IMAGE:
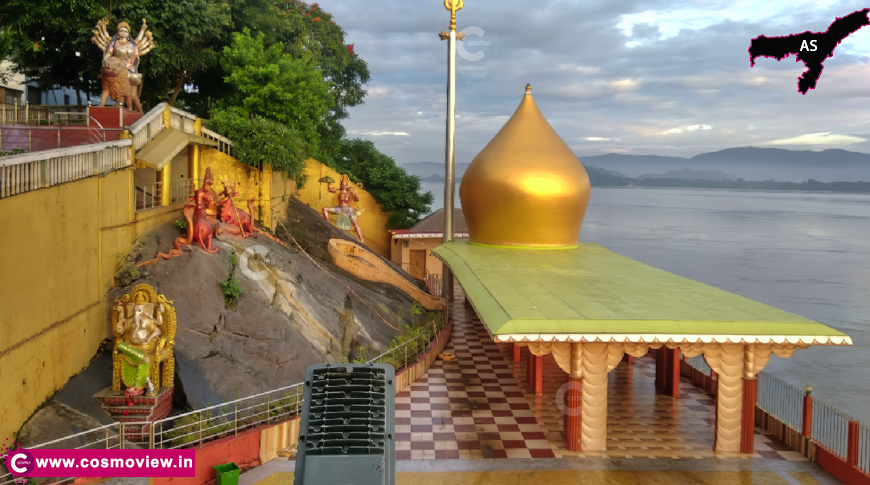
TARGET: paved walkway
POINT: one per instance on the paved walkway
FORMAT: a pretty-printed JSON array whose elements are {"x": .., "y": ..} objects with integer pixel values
[
  {"x": 479, "y": 406},
  {"x": 458, "y": 423}
]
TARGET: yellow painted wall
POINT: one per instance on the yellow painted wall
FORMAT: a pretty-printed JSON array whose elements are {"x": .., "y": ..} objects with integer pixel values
[
  {"x": 248, "y": 179},
  {"x": 282, "y": 189},
  {"x": 401, "y": 254},
  {"x": 372, "y": 221},
  {"x": 56, "y": 267},
  {"x": 61, "y": 251}
]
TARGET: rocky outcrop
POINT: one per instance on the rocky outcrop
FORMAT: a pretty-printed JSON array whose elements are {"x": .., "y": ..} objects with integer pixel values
[{"x": 293, "y": 311}]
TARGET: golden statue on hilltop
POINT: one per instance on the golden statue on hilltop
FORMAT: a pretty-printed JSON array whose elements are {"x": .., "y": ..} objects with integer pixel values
[
  {"x": 120, "y": 72},
  {"x": 144, "y": 326}
]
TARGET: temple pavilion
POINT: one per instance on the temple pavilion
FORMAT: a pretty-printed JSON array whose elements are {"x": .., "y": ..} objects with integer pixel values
[{"x": 532, "y": 284}]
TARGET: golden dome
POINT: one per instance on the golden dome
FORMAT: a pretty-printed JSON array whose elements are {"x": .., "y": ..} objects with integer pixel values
[{"x": 526, "y": 188}]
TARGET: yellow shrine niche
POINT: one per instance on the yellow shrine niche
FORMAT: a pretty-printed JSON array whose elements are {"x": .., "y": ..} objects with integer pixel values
[{"x": 144, "y": 325}]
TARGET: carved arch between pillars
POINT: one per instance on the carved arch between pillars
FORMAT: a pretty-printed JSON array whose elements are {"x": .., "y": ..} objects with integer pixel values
[{"x": 593, "y": 361}]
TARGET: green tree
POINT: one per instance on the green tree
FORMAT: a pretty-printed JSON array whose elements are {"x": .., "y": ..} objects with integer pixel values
[
  {"x": 269, "y": 83},
  {"x": 51, "y": 42},
  {"x": 304, "y": 31},
  {"x": 389, "y": 184},
  {"x": 256, "y": 139}
]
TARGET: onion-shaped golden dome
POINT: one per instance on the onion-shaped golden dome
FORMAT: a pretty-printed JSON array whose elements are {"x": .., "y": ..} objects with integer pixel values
[{"x": 526, "y": 188}]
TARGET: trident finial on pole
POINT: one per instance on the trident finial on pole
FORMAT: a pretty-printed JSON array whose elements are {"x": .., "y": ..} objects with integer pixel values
[{"x": 453, "y": 6}]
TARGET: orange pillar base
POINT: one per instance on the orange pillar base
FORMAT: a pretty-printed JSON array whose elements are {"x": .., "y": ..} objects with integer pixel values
[
  {"x": 573, "y": 417},
  {"x": 750, "y": 397}
]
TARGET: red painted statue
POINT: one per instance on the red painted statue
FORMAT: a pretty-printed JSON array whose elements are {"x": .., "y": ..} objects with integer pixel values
[
  {"x": 232, "y": 215},
  {"x": 201, "y": 229},
  {"x": 208, "y": 217}
]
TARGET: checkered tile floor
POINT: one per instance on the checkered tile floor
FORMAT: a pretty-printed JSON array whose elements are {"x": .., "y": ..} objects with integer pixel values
[{"x": 478, "y": 406}]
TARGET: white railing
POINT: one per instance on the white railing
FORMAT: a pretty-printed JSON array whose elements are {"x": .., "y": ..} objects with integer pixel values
[
  {"x": 700, "y": 363},
  {"x": 830, "y": 428},
  {"x": 30, "y": 171},
  {"x": 149, "y": 196},
  {"x": 147, "y": 127},
  {"x": 182, "y": 190},
  {"x": 864, "y": 448},
  {"x": 433, "y": 281},
  {"x": 181, "y": 120},
  {"x": 781, "y": 400},
  {"x": 108, "y": 437},
  {"x": 225, "y": 419},
  {"x": 224, "y": 143}
]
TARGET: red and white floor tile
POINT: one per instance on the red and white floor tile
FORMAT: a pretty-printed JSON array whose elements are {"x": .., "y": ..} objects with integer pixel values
[{"x": 478, "y": 406}]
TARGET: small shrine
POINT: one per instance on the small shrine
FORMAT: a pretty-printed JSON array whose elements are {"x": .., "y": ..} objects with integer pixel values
[
  {"x": 143, "y": 362},
  {"x": 533, "y": 284}
]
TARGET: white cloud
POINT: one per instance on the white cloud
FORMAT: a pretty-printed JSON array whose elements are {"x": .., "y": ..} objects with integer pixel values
[
  {"x": 596, "y": 138},
  {"x": 826, "y": 138},
  {"x": 681, "y": 129},
  {"x": 382, "y": 133}
]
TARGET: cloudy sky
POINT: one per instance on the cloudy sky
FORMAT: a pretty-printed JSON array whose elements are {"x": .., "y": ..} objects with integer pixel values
[{"x": 628, "y": 76}]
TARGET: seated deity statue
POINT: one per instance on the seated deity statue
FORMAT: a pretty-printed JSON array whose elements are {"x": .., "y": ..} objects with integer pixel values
[{"x": 144, "y": 327}]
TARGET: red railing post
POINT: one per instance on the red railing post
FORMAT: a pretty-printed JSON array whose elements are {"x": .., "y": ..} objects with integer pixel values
[
  {"x": 852, "y": 445},
  {"x": 807, "y": 417}
]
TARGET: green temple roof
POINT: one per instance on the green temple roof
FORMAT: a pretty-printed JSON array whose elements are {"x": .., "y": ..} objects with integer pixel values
[{"x": 592, "y": 294}]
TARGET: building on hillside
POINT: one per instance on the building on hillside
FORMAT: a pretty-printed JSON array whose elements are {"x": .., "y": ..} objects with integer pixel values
[
  {"x": 411, "y": 249},
  {"x": 11, "y": 91}
]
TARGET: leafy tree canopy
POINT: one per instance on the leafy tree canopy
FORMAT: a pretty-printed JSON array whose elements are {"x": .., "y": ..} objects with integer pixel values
[
  {"x": 272, "y": 84},
  {"x": 52, "y": 40},
  {"x": 304, "y": 31},
  {"x": 256, "y": 139}
]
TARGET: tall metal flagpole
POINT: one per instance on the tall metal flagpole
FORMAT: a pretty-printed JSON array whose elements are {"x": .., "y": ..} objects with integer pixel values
[{"x": 449, "y": 171}]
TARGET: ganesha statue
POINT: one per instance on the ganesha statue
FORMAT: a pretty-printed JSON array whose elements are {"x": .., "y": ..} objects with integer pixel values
[{"x": 144, "y": 326}]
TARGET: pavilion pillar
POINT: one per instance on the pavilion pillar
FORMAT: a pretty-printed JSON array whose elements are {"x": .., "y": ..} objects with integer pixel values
[
  {"x": 517, "y": 352},
  {"x": 660, "y": 367},
  {"x": 530, "y": 371},
  {"x": 673, "y": 371},
  {"x": 573, "y": 418},
  {"x": 750, "y": 398},
  {"x": 729, "y": 405},
  {"x": 539, "y": 375},
  {"x": 593, "y": 410}
]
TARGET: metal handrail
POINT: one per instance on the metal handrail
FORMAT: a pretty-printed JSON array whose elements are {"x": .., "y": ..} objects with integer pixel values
[
  {"x": 830, "y": 428},
  {"x": 699, "y": 363},
  {"x": 864, "y": 448},
  {"x": 781, "y": 400}
]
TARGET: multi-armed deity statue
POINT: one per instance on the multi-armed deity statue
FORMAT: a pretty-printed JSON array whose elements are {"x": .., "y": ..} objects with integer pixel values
[
  {"x": 144, "y": 326},
  {"x": 120, "y": 71},
  {"x": 347, "y": 216}
]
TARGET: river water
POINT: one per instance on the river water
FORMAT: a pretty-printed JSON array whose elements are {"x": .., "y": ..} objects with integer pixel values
[{"x": 805, "y": 253}]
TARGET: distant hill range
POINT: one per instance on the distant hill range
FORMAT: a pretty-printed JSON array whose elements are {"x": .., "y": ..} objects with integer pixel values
[
  {"x": 748, "y": 163},
  {"x": 686, "y": 174}
]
